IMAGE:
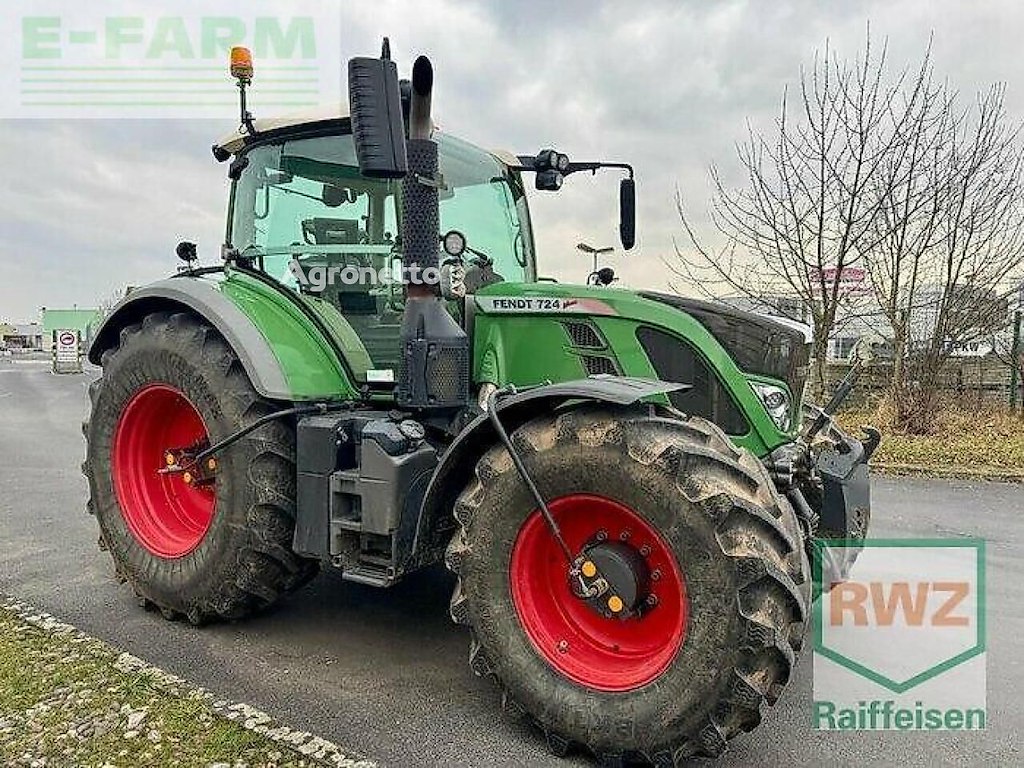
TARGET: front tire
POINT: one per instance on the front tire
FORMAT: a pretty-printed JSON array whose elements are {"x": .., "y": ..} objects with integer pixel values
[
  {"x": 219, "y": 550},
  {"x": 731, "y": 601}
]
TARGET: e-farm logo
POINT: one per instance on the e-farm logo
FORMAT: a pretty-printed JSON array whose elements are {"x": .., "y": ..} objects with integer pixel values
[
  {"x": 901, "y": 644},
  {"x": 165, "y": 59}
]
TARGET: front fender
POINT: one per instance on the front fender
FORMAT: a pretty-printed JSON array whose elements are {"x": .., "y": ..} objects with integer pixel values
[{"x": 459, "y": 460}]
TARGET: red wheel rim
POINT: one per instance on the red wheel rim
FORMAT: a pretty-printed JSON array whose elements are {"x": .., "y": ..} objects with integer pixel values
[
  {"x": 166, "y": 515},
  {"x": 607, "y": 654}
]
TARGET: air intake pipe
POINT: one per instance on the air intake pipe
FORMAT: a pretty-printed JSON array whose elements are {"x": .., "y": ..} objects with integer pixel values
[{"x": 434, "y": 369}]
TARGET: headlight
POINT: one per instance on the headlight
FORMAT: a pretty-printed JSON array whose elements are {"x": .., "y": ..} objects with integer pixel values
[{"x": 775, "y": 401}]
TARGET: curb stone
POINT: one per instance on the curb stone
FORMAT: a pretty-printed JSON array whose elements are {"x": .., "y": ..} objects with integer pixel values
[
  {"x": 315, "y": 748},
  {"x": 960, "y": 473}
]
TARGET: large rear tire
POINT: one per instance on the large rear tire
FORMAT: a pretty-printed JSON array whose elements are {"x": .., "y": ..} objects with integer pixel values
[
  {"x": 730, "y": 601},
  {"x": 200, "y": 551}
]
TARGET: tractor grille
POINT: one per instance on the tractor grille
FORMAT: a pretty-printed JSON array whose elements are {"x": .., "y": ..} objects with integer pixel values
[
  {"x": 598, "y": 364},
  {"x": 676, "y": 361},
  {"x": 584, "y": 335}
]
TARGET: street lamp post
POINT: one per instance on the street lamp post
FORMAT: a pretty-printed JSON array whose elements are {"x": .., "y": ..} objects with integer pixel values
[{"x": 595, "y": 252}]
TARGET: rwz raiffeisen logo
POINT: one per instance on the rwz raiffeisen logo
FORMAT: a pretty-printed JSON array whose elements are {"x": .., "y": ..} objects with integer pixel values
[
  {"x": 164, "y": 59},
  {"x": 901, "y": 644}
]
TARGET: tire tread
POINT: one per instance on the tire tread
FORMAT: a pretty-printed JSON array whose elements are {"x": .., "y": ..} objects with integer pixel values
[{"x": 733, "y": 488}]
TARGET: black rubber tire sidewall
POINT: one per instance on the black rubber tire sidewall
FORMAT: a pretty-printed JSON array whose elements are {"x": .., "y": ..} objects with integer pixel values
[
  {"x": 679, "y": 699},
  {"x": 158, "y": 354}
]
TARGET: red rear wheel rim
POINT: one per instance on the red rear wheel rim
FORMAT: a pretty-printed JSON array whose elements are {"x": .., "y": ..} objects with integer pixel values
[
  {"x": 167, "y": 516},
  {"x": 607, "y": 654}
]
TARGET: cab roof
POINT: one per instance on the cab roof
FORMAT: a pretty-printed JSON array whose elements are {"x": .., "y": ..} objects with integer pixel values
[{"x": 235, "y": 140}]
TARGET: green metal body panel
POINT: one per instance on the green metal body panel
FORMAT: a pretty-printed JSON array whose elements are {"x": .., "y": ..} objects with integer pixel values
[
  {"x": 312, "y": 368},
  {"x": 516, "y": 347},
  {"x": 527, "y": 346},
  {"x": 324, "y": 358}
]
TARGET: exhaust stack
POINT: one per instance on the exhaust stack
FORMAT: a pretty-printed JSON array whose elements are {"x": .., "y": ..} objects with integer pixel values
[
  {"x": 420, "y": 226},
  {"x": 434, "y": 369}
]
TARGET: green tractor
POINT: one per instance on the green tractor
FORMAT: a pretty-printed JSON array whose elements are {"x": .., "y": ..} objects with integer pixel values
[{"x": 625, "y": 484}]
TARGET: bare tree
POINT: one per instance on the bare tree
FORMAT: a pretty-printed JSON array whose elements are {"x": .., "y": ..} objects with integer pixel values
[
  {"x": 912, "y": 190},
  {"x": 813, "y": 195},
  {"x": 951, "y": 244}
]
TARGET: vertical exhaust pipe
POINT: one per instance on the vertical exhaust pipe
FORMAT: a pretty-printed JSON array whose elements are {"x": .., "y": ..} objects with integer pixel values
[
  {"x": 420, "y": 215},
  {"x": 434, "y": 370},
  {"x": 419, "y": 104}
]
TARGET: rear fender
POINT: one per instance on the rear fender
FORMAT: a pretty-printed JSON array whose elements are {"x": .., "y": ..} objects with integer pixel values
[{"x": 284, "y": 355}]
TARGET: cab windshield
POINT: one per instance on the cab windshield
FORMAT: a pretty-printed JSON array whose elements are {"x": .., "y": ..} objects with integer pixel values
[
  {"x": 304, "y": 202},
  {"x": 303, "y": 214}
]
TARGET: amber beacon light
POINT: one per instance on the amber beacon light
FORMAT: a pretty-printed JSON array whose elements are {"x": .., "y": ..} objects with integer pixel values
[{"x": 241, "y": 64}]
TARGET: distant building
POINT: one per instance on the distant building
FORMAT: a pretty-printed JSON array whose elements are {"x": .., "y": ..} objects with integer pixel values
[
  {"x": 863, "y": 316},
  {"x": 21, "y": 337},
  {"x": 85, "y": 321}
]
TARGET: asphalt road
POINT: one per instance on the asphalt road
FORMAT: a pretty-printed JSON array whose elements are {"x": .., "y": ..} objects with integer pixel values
[{"x": 385, "y": 674}]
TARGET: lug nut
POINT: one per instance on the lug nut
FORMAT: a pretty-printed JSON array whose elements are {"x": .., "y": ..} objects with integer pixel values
[
  {"x": 211, "y": 463},
  {"x": 602, "y": 535},
  {"x": 563, "y": 646},
  {"x": 187, "y": 477},
  {"x": 624, "y": 536},
  {"x": 615, "y": 604},
  {"x": 589, "y": 569},
  {"x": 652, "y": 600},
  {"x": 169, "y": 458},
  {"x": 655, "y": 574},
  {"x": 645, "y": 550}
]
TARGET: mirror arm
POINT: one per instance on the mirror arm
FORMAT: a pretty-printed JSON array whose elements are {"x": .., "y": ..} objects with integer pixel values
[
  {"x": 596, "y": 166},
  {"x": 527, "y": 163}
]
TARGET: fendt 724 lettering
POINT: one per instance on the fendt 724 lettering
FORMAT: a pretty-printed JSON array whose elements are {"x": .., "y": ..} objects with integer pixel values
[{"x": 374, "y": 380}]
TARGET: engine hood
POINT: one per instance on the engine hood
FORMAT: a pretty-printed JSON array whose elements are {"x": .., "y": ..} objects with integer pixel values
[{"x": 759, "y": 344}]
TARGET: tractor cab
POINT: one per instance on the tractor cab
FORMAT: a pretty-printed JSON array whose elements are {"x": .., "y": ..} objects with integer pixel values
[{"x": 302, "y": 213}]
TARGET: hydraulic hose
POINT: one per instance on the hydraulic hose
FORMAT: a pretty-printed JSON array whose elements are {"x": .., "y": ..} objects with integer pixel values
[
  {"x": 492, "y": 412},
  {"x": 234, "y": 437}
]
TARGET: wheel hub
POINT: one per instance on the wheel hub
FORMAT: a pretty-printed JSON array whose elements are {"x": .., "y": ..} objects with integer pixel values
[
  {"x": 615, "y": 618},
  {"x": 183, "y": 462},
  {"x": 612, "y": 578}
]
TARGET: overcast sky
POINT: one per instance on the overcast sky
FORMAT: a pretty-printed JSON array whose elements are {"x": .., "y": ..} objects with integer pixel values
[{"x": 90, "y": 206}]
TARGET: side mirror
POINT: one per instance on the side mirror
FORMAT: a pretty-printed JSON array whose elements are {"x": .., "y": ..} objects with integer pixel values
[
  {"x": 375, "y": 106},
  {"x": 627, "y": 213}
]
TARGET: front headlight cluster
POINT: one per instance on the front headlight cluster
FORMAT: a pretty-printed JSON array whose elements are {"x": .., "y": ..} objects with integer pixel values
[{"x": 776, "y": 402}]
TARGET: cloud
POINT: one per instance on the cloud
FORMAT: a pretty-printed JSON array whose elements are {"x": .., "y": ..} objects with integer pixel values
[{"x": 91, "y": 205}]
